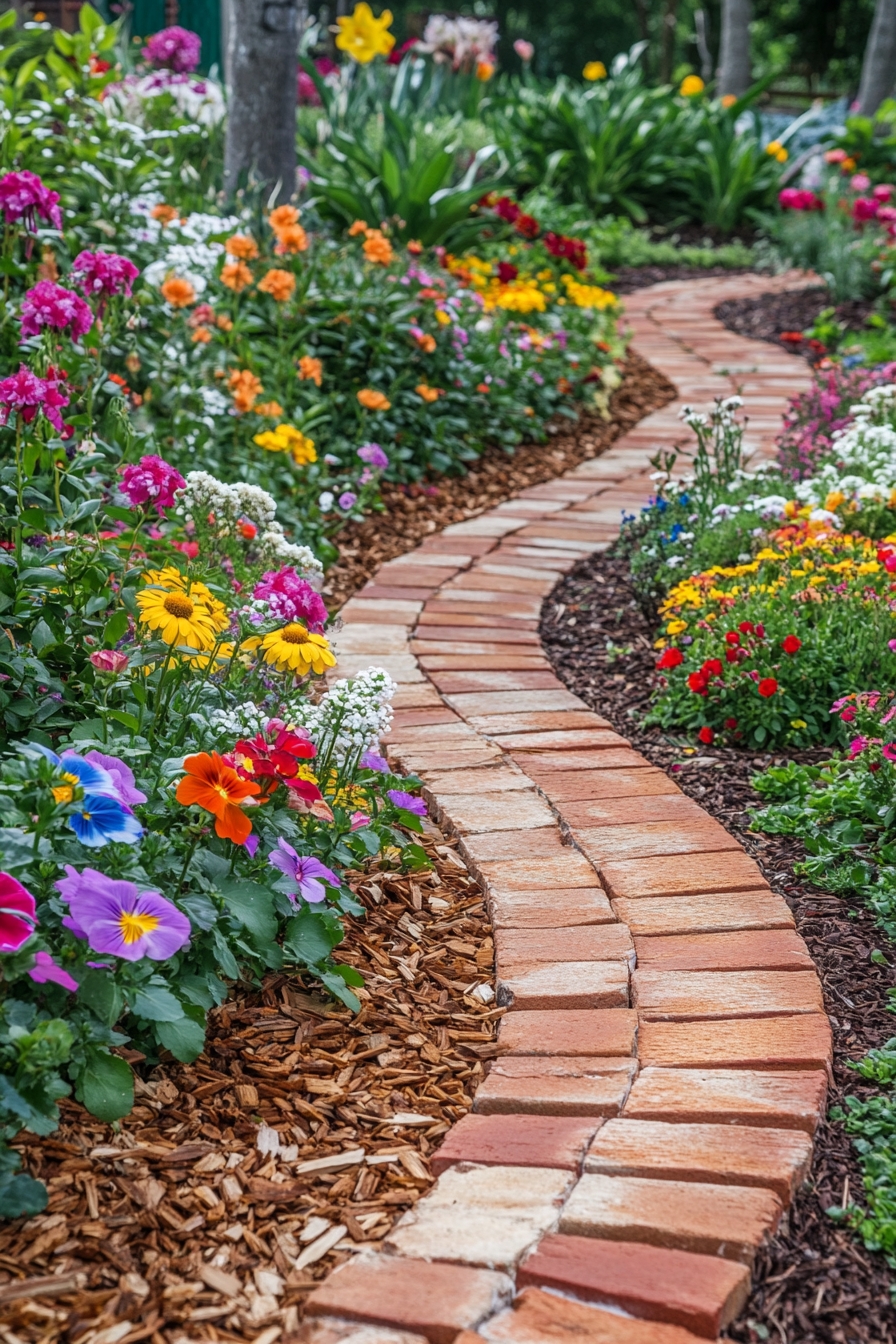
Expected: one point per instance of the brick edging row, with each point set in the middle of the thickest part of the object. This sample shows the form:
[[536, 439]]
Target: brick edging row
[[663, 1065]]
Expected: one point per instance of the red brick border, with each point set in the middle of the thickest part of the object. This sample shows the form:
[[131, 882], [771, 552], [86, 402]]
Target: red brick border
[[664, 1063]]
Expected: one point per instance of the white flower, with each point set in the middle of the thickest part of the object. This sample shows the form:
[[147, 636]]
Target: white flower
[[325, 502]]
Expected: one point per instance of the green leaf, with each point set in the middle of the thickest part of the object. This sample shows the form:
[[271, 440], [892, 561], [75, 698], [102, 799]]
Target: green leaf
[[89, 20], [311, 936], [105, 1085], [34, 518], [21, 1196], [252, 906], [157, 1004], [42, 637], [100, 993], [350, 975], [115, 628], [184, 1038], [129, 720]]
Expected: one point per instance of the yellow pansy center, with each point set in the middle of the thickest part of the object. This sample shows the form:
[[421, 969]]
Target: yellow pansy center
[[64, 793], [177, 604], [295, 634], [134, 927]]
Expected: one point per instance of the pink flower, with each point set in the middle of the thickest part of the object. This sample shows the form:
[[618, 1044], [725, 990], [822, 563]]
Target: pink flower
[[175, 49], [857, 746], [49, 305], [306, 90], [104, 273], [798, 198], [889, 750], [524, 49], [860, 182], [291, 598], [45, 970], [18, 914], [151, 481], [883, 192], [25, 394], [848, 714], [109, 660], [358, 820], [864, 208], [21, 194]]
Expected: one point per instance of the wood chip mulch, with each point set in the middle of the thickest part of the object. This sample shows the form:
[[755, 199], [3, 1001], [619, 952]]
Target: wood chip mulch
[[412, 512], [814, 1283], [297, 1139], [767, 316]]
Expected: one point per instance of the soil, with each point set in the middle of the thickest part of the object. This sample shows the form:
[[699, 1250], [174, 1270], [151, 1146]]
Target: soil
[[188, 1220], [627, 279], [767, 316], [815, 1283], [412, 512]]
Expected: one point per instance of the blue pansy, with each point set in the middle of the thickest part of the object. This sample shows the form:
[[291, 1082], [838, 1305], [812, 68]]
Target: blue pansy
[[99, 819], [92, 778]]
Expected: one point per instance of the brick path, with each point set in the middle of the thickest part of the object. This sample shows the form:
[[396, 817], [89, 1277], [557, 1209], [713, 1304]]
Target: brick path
[[664, 1063]]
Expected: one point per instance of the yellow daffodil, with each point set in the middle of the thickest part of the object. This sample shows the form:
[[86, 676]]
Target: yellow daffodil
[[363, 36]]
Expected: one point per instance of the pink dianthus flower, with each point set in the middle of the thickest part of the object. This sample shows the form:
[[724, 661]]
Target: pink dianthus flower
[[104, 273], [152, 480], [49, 305], [22, 194], [291, 598], [174, 48]]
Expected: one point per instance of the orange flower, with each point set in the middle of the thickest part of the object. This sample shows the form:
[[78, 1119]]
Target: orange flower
[[284, 217], [165, 214], [311, 369], [245, 389], [217, 788], [483, 387], [272, 408], [201, 336], [293, 239], [428, 393], [377, 247], [223, 322], [426, 343], [359, 226], [279, 284], [372, 400], [48, 270], [415, 248], [178, 292], [484, 71], [242, 246], [236, 276]]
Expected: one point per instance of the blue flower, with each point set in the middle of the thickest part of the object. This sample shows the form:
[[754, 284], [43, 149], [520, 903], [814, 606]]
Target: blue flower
[[78, 771], [99, 819]]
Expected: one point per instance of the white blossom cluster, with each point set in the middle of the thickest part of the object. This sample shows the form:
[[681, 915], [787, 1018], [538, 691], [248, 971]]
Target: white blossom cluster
[[274, 549], [462, 41], [864, 465], [204, 494], [199, 100]]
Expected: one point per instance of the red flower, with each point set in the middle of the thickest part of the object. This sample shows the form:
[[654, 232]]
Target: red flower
[[527, 225], [706, 735], [731, 655], [730, 723], [507, 209], [746, 627], [507, 272], [697, 683], [273, 758], [760, 631], [767, 687], [712, 667], [791, 644], [670, 658], [732, 638]]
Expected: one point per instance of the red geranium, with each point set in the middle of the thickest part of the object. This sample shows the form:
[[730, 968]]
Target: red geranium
[[697, 683], [670, 658], [273, 758], [767, 687], [706, 735], [527, 225], [712, 667], [730, 723], [732, 638], [746, 627], [507, 209], [791, 644]]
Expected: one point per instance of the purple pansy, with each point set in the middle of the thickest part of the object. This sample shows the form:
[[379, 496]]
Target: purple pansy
[[117, 918], [304, 870], [373, 455], [407, 802], [371, 761], [122, 777]]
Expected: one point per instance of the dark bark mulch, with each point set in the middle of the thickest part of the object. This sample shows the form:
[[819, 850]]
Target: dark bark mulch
[[815, 1283], [766, 317], [627, 279], [412, 512]]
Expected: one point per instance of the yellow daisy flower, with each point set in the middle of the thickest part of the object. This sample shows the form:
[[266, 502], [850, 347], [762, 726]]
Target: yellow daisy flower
[[293, 649], [183, 615]]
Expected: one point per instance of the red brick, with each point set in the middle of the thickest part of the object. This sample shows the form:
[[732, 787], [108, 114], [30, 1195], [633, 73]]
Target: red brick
[[566, 984], [386, 592], [776, 1159], [631, 811], [800, 1042], [763, 949], [463, 683], [509, 810], [612, 845], [726, 1220], [685, 996], [730, 870], [702, 1293], [596, 1032], [547, 844], [606, 942], [543, 764], [541, 909], [437, 1300], [495, 778], [713, 913], [786, 1100], [560, 868], [481, 662], [516, 1141], [536, 721], [511, 702], [570, 786], [414, 756], [544, 1318], [427, 635], [560, 740], [537, 1085]]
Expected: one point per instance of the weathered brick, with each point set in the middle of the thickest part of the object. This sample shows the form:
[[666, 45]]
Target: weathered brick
[[616, 845], [544, 1318], [595, 1032], [714, 913], [702, 1293], [512, 702], [796, 1042], [730, 870], [516, 1141], [525, 947], [546, 909], [561, 868], [785, 1100], [688, 996], [560, 740], [509, 810], [563, 1085], [631, 810], [763, 949], [635, 781], [566, 984], [538, 721], [540, 764]]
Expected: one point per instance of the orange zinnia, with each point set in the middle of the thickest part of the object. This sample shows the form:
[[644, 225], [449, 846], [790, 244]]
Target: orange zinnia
[[240, 245], [272, 408], [284, 217], [236, 276], [311, 369], [178, 292], [359, 226], [279, 284], [201, 336], [164, 214], [245, 389], [223, 322], [217, 788], [426, 343], [293, 239], [428, 393], [372, 400], [378, 248]]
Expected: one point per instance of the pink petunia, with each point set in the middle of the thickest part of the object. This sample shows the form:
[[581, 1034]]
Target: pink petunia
[[45, 971], [18, 914], [151, 481]]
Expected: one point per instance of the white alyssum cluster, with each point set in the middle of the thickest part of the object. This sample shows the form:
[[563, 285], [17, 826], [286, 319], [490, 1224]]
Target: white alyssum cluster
[[187, 251], [864, 465], [204, 494], [274, 550]]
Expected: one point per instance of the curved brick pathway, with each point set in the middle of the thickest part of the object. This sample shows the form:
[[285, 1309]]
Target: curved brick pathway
[[662, 1068]]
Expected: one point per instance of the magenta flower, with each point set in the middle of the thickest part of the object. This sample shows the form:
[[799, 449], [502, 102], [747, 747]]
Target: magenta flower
[[18, 914], [104, 273], [359, 820], [23, 194], [373, 455], [175, 49], [291, 598], [49, 305], [46, 971], [109, 660], [371, 761], [122, 778], [889, 750], [151, 480], [118, 918], [407, 802], [305, 871]]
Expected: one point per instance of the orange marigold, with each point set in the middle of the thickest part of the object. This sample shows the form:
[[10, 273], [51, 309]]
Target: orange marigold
[[165, 214], [428, 393], [240, 245], [426, 343], [245, 389], [223, 322], [415, 248], [284, 217], [311, 369], [293, 239], [201, 336], [236, 276], [279, 284], [272, 408], [377, 247], [178, 292], [359, 226], [372, 400]]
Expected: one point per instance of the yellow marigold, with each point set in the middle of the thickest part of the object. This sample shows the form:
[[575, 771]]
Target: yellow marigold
[[588, 296], [271, 408], [359, 226], [520, 296], [311, 370], [201, 336], [165, 214], [428, 393], [178, 292], [245, 389], [279, 284], [364, 36], [377, 247], [291, 240], [288, 439], [372, 400], [241, 246], [284, 217], [834, 500], [691, 85], [236, 276], [443, 318], [594, 70]]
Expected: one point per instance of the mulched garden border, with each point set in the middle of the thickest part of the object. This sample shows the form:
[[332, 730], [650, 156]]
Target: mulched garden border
[[767, 316], [815, 1283]]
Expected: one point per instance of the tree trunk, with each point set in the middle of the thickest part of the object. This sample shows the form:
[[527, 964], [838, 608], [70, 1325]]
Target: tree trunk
[[261, 122], [734, 73], [879, 65]]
